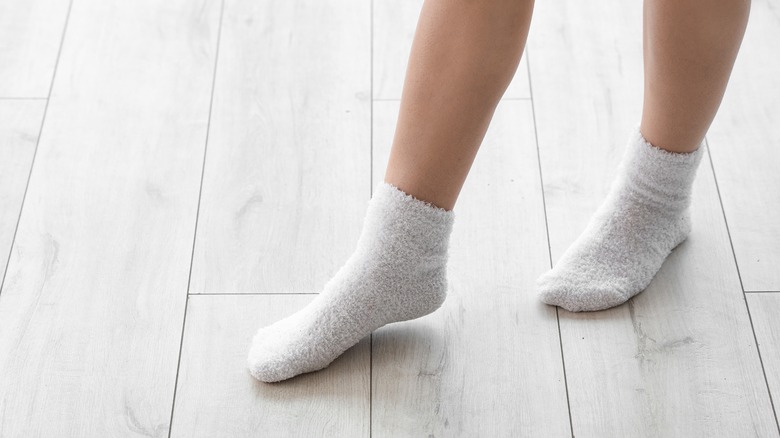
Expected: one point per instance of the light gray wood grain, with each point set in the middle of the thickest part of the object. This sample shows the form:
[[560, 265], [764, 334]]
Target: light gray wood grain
[[488, 363], [764, 308], [91, 313], [287, 178], [217, 397], [30, 35], [679, 359], [20, 123], [745, 145], [394, 26]]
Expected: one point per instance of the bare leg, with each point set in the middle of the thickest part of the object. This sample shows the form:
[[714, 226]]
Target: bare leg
[[689, 50], [463, 57]]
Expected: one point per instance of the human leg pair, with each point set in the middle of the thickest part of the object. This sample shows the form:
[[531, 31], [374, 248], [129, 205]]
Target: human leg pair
[[463, 57]]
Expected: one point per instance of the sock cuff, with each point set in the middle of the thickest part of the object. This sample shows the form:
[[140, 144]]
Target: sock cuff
[[410, 207], [398, 219], [656, 154], [657, 174]]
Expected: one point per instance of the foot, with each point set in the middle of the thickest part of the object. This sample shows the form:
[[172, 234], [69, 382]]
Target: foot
[[397, 273], [644, 217]]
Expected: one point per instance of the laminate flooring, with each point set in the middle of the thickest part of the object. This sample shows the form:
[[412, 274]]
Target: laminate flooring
[[174, 175]]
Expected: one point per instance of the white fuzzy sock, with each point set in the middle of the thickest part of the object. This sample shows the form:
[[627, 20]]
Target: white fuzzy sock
[[398, 272], [644, 216]]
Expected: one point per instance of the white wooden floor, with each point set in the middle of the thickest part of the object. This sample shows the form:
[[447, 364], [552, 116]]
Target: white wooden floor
[[175, 174]]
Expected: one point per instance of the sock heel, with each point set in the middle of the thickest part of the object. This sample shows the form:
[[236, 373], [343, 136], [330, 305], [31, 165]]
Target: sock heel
[[685, 228], [421, 301]]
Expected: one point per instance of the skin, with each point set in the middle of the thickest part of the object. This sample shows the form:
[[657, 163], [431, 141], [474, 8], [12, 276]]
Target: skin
[[689, 50], [463, 57], [465, 53]]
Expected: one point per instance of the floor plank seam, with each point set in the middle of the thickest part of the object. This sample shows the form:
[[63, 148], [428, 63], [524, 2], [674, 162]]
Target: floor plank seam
[[371, 191], [197, 214], [741, 285], [547, 231], [37, 143]]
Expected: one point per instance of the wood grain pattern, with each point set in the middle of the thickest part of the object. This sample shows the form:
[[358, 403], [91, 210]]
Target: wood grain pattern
[[745, 145], [679, 359], [764, 309], [394, 25], [30, 36], [287, 179], [488, 363], [92, 308], [93, 303], [20, 123], [217, 397]]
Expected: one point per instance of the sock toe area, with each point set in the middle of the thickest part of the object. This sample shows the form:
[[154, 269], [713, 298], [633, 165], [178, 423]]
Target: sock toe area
[[576, 292], [590, 301], [263, 361], [281, 350]]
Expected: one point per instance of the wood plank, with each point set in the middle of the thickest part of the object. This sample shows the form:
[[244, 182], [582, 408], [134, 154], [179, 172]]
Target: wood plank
[[287, 181], [91, 314], [679, 359], [217, 397], [394, 26], [30, 36], [764, 309], [20, 123], [488, 363], [745, 154]]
